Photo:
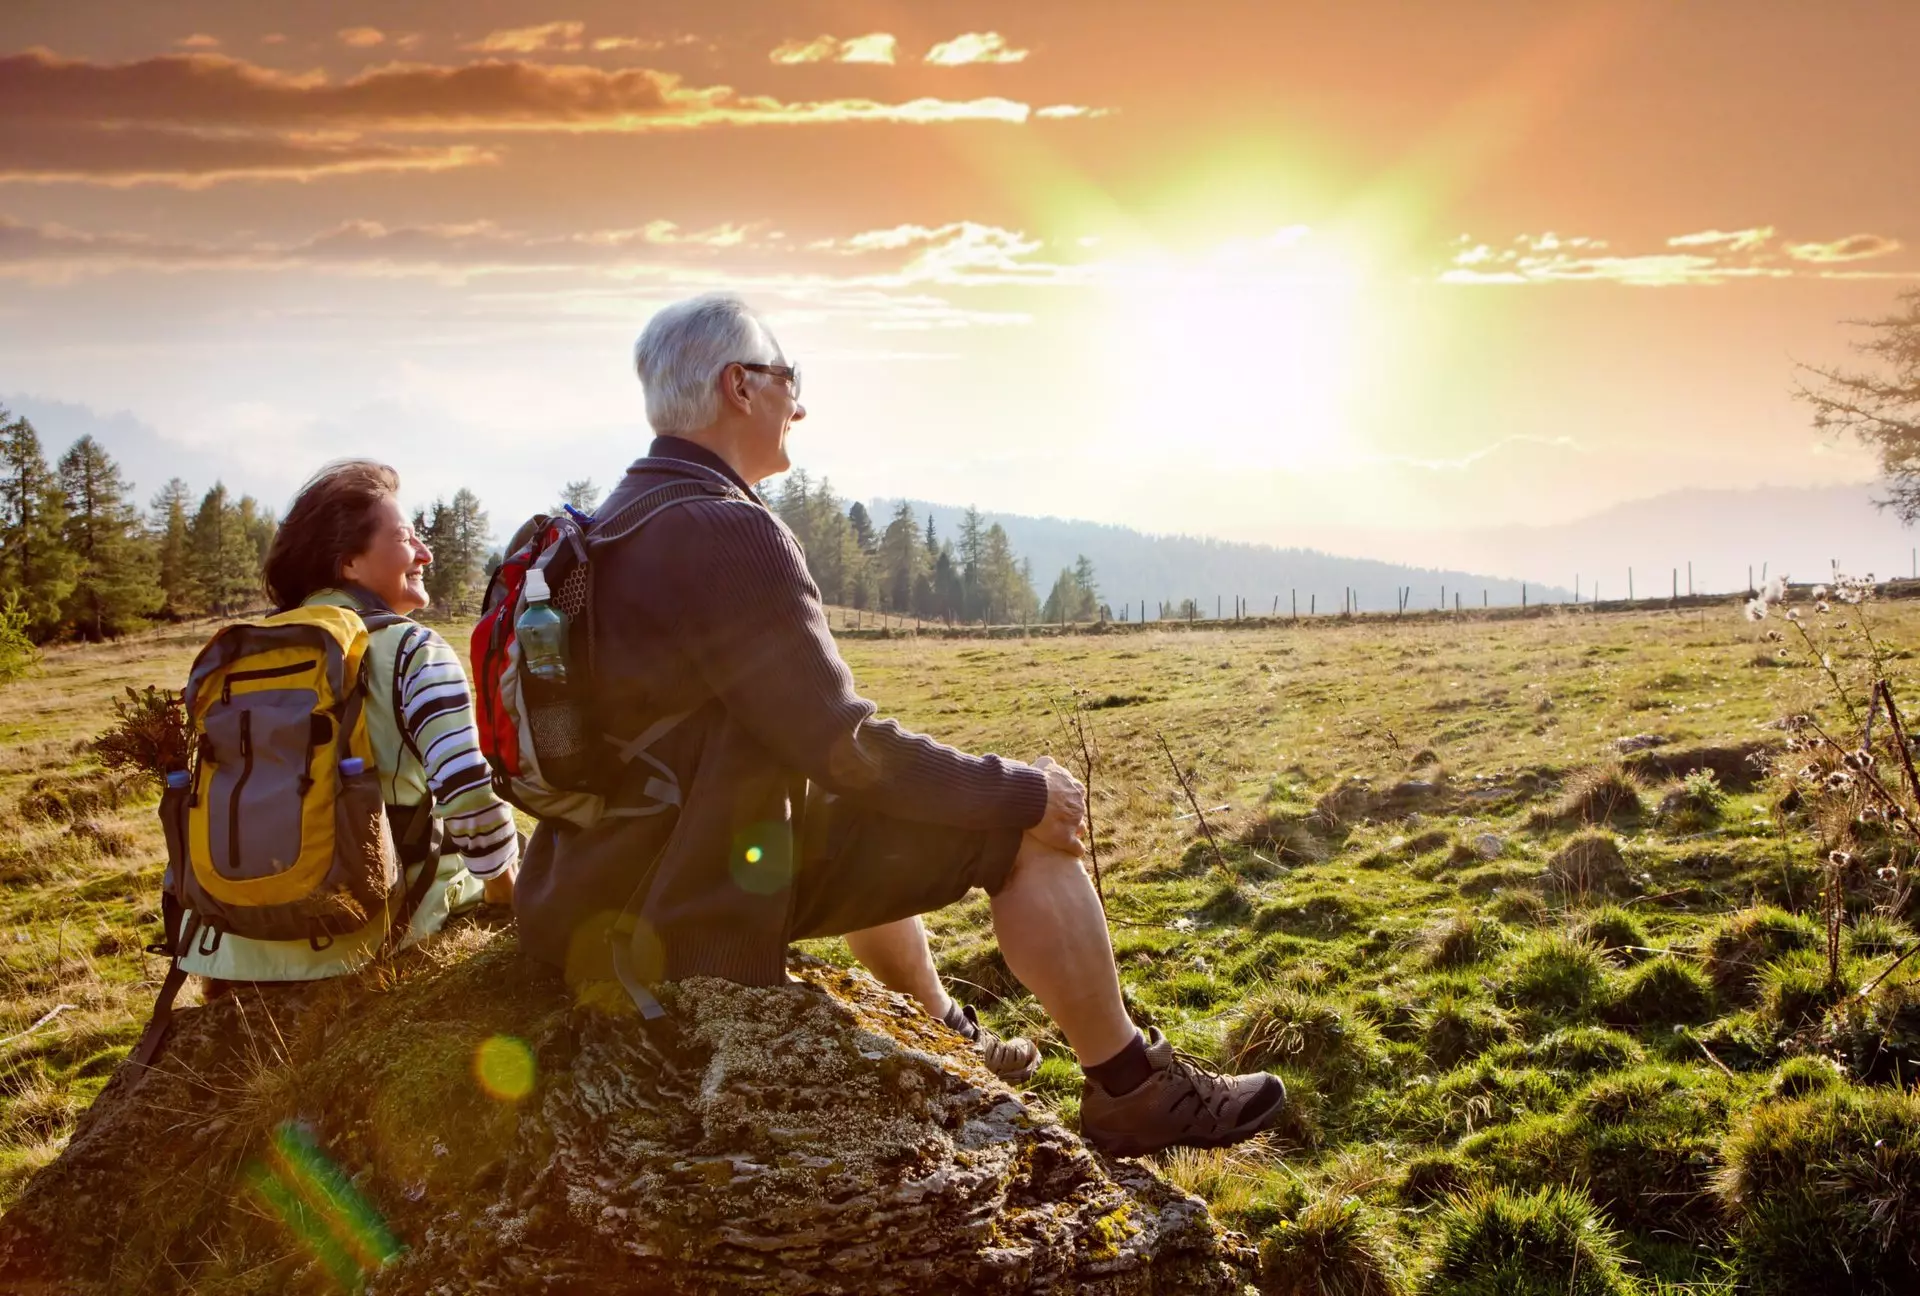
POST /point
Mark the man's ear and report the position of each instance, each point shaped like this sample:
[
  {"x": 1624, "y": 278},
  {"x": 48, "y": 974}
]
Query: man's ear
[{"x": 734, "y": 389}]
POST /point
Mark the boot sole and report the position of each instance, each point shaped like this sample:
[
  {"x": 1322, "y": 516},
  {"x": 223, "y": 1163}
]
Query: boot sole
[{"x": 1141, "y": 1147}]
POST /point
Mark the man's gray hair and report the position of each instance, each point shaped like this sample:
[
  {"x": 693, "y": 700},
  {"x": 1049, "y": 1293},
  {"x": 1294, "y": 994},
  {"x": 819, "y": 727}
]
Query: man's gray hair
[{"x": 683, "y": 349}]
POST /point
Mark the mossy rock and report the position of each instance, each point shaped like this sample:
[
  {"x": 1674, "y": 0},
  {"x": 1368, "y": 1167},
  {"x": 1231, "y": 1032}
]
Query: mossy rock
[{"x": 457, "y": 1122}]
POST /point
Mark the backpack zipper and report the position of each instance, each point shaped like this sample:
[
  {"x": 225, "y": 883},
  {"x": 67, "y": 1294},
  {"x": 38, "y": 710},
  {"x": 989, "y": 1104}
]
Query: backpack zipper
[{"x": 239, "y": 785}]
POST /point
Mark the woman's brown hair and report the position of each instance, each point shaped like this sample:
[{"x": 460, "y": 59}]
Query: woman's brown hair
[{"x": 330, "y": 523}]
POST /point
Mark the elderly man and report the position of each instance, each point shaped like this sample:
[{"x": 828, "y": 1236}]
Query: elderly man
[{"x": 800, "y": 814}]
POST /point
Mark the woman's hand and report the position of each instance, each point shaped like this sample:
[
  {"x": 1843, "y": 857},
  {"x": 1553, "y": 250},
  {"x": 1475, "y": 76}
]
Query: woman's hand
[{"x": 1066, "y": 808}]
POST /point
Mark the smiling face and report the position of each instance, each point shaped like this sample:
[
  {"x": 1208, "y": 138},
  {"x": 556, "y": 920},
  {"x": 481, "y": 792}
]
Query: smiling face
[{"x": 393, "y": 566}]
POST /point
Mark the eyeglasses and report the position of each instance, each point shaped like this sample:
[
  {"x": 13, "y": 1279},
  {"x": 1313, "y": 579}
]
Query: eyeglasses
[{"x": 789, "y": 372}]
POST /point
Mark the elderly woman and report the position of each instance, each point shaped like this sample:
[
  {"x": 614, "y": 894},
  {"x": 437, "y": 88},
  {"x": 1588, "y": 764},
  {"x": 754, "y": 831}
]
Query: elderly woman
[{"x": 346, "y": 542}]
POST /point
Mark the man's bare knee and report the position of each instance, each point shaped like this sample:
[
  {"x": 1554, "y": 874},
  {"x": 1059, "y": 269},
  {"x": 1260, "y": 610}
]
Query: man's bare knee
[{"x": 1038, "y": 858}]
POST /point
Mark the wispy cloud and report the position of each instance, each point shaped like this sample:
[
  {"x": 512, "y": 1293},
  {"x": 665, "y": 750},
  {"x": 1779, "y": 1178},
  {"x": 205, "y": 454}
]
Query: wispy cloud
[
  {"x": 360, "y": 37},
  {"x": 1855, "y": 247},
  {"x": 1746, "y": 240},
  {"x": 1705, "y": 257},
  {"x": 198, "y": 41},
  {"x": 538, "y": 39},
  {"x": 975, "y": 47},
  {"x": 137, "y": 155},
  {"x": 875, "y": 47},
  {"x": 201, "y": 110}
]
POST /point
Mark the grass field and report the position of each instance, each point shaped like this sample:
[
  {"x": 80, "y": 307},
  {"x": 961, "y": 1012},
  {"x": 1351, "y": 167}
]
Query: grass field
[{"x": 1540, "y": 1002}]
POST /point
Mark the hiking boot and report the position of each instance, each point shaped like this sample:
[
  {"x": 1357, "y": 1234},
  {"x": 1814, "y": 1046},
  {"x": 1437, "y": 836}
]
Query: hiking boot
[
  {"x": 1183, "y": 1103},
  {"x": 1013, "y": 1060}
]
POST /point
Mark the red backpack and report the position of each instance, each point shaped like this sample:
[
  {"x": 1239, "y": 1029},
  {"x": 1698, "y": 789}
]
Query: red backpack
[{"x": 562, "y": 545}]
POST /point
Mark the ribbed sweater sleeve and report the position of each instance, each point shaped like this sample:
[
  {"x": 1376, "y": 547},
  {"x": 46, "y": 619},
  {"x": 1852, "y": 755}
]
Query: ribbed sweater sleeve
[
  {"x": 752, "y": 616},
  {"x": 437, "y": 712}
]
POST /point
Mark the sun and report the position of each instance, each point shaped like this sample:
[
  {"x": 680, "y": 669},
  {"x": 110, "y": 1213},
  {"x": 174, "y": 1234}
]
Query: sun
[{"x": 1250, "y": 355}]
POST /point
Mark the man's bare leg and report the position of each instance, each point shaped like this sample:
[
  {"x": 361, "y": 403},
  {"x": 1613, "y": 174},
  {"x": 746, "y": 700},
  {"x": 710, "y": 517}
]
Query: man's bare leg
[
  {"x": 1054, "y": 938},
  {"x": 898, "y": 954}
]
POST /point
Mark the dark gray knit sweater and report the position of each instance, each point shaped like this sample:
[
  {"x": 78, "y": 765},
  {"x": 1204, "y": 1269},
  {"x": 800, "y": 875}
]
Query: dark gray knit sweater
[{"x": 710, "y": 607}]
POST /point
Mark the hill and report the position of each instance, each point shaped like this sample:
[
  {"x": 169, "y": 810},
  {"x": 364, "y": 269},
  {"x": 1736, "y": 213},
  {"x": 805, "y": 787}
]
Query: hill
[{"x": 1132, "y": 566}]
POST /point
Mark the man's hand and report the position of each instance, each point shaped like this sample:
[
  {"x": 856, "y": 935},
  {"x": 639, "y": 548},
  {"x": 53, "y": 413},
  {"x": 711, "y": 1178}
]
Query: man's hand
[{"x": 1066, "y": 808}]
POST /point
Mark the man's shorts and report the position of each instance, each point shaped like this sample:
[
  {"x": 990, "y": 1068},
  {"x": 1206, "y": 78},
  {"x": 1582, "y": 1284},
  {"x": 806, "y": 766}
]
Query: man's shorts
[{"x": 860, "y": 869}]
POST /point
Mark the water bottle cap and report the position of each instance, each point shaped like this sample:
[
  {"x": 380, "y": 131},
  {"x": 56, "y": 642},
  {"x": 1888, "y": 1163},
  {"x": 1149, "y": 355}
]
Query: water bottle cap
[
  {"x": 536, "y": 589},
  {"x": 353, "y": 765},
  {"x": 178, "y": 778}
]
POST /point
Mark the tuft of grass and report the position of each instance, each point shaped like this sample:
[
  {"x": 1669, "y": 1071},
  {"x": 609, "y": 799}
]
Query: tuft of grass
[
  {"x": 1335, "y": 1044},
  {"x": 1824, "y": 1193},
  {"x": 1877, "y": 1037},
  {"x": 1614, "y": 930},
  {"x": 1794, "y": 990},
  {"x": 1665, "y": 991},
  {"x": 1547, "y": 1243},
  {"x": 1747, "y": 940},
  {"x": 1600, "y": 794},
  {"x": 1588, "y": 863},
  {"x": 1520, "y": 909},
  {"x": 1801, "y": 1076},
  {"x": 1585, "y": 1050},
  {"x": 1462, "y": 939},
  {"x": 1458, "y": 1027},
  {"x": 1874, "y": 935},
  {"x": 1337, "y": 1246},
  {"x": 1695, "y": 804},
  {"x": 1556, "y": 975},
  {"x": 1434, "y": 1176}
]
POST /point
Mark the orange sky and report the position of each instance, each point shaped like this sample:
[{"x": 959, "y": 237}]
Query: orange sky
[{"x": 1279, "y": 271}]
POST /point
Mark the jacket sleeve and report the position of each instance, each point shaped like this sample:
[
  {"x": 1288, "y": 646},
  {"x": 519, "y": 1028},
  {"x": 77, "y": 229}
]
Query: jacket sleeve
[
  {"x": 437, "y": 713},
  {"x": 754, "y": 625}
]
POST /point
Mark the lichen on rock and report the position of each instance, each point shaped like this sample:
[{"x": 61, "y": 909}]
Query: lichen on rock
[{"x": 824, "y": 1136}]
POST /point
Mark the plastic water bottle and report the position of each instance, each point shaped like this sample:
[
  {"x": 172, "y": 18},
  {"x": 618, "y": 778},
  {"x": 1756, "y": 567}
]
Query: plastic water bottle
[
  {"x": 353, "y": 766},
  {"x": 559, "y": 734},
  {"x": 178, "y": 778}
]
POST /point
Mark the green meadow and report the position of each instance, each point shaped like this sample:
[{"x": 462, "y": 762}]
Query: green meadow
[{"x": 1515, "y": 906}]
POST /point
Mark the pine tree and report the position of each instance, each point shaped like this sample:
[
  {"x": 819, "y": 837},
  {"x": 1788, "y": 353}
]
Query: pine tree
[
  {"x": 226, "y": 563},
  {"x": 862, "y": 523},
  {"x": 258, "y": 526},
  {"x": 972, "y": 554},
  {"x": 900, "y": 560},
  {"x": 457, "y": 533},
  {"x": 35, "y": 562},
  {"x": 116, "y": 583},
  {"x": 173, "y": 553},
  {"x": 582, "y": 494}
]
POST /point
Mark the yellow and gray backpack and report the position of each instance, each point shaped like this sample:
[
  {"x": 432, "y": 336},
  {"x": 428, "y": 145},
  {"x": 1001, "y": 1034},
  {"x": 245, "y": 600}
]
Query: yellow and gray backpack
[{"x": 277, "y": 828}]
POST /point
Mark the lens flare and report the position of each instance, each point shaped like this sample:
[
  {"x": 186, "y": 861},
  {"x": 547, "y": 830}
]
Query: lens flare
[
  {"x": 504, "y": 1067},
  {"x": 753, "y": 854},
  {"x": 320, "y": 1206}
]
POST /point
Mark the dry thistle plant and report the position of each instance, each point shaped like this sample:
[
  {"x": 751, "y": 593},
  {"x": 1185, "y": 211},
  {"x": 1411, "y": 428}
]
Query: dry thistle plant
[{"x": 1852, "y": 779}]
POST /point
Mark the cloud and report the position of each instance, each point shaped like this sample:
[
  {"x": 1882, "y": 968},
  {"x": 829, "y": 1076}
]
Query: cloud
[
  {"x": 958, "y": 253},
  {"x": 875, "y": 47},
  {"x": 1855, "y": 247},
  {"x": 136, "y": 155},
  {"x": 1746, "y": 240},
  {"x": 975, "y": 47},
  {"x": 532, "y": 40},
  {"x": 1059, "y": 112},
  {"x": 361, "y": 37},
  {"x": 214, "y": 92},
  {"x": 198, "y": 41},
  {"x": 1706, "y": 257}
]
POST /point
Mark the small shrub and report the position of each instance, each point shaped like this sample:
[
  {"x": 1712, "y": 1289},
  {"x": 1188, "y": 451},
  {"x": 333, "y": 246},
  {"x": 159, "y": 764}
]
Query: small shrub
[
  {"x": 1456, "y": 1028},
  {"x": 1666, "y": 991},
  {"x": 1555, "y": 974},
  {"x": 1801, "y": 1076},
  {"x": 1597, "y": 795},
  {"x": 1279, "y": 1026},
  {"x": 1335, "y": 1247},
  {"x": 1462, "y": 939},
  {"x": 1824, "y": 1193},
  {"x": 1585, "y": 1050},
  {"x": 1695, "y": 804},
  {"x": 17, "y": 653},
  {"x": 1746, "y": 941},
  {"x": 1547, "y": 1243},
  {"x": 149, "y": 733},
  {"x": 1588, "y": 863}
]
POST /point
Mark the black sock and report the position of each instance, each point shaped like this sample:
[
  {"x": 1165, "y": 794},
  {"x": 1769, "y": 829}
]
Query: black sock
[{"x": 1125, "y": 1071}]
